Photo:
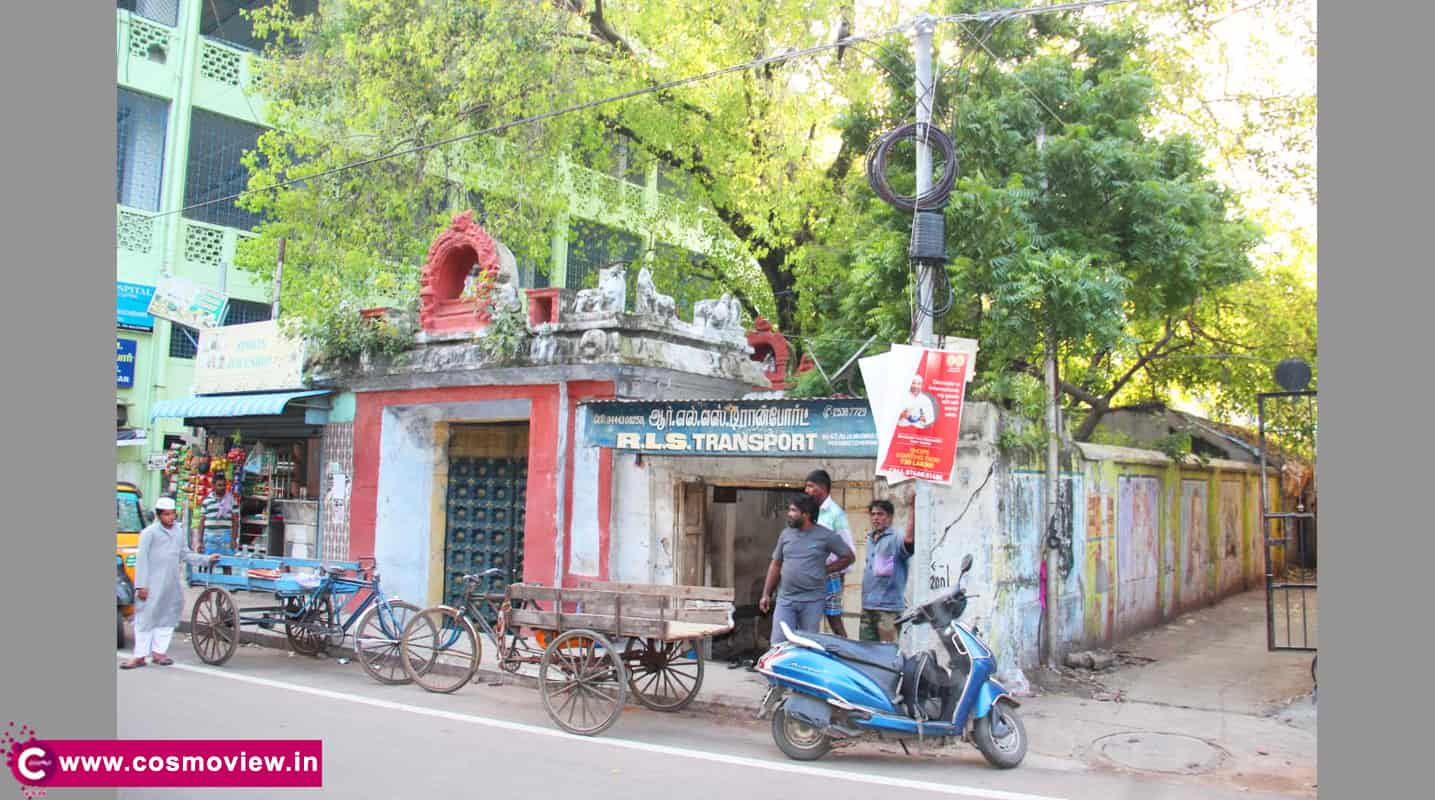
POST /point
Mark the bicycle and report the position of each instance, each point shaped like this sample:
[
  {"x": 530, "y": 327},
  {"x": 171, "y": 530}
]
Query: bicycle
[
  {"x": 307, "y": 609},
  {"x": 440, "y": 647}
]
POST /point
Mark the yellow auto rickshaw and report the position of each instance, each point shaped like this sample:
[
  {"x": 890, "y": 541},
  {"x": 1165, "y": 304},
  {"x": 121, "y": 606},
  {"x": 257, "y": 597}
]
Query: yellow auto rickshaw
[{"x": 130, "y": 518}]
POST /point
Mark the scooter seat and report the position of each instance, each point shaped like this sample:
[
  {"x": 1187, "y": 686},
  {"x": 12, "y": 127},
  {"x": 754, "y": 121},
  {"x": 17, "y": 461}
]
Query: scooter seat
[{"x": 878, "y": 654}]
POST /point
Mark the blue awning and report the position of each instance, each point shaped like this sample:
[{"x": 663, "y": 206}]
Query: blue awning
[{"x": 232, "y": 405}]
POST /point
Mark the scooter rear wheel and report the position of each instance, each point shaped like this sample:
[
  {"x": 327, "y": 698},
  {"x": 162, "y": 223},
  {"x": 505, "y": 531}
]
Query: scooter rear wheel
[
  {"x": 798, "y": 740},
  {"x": 1001, "y": 736}
]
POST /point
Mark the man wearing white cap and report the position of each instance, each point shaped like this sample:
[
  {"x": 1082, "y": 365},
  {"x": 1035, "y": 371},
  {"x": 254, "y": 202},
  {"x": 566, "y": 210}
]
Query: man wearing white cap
[{"x": 163, "y": 545}]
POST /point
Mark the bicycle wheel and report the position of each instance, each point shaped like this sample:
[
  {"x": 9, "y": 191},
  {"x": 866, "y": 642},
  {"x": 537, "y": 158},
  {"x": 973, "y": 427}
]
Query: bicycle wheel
[
  {"x": 214, "y": 626},
  {"x": 582, "y": 680},
  {"x": 309, "y": 633},
  {"x": 664, "y": 676},
  {"x": 440, "y": 649},
  {"x": 377, "y": 638}
]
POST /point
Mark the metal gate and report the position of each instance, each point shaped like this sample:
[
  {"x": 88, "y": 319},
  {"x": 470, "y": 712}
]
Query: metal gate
[
  {"x": 486, "y": 498},
  {"x": 1289, "y": 526}
]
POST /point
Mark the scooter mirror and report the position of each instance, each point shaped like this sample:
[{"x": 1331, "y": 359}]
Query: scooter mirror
[{"x": 966, "y": 563}]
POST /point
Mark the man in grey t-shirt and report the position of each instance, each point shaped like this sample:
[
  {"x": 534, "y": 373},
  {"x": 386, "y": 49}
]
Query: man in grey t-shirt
[{"x": 800, "y": 560}]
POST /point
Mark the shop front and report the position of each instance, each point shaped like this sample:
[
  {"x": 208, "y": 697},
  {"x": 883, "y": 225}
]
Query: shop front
[
  {"x": 701, "y": 488},
  {"x": 255, "y": 424}
]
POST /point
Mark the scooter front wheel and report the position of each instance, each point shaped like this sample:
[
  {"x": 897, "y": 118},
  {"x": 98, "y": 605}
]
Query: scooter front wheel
[
  {"x": 798, "y": 740},
  {"x": 1001, "y": 736}
]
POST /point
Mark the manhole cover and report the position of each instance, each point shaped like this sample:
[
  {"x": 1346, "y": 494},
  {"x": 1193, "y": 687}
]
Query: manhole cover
[{"x": 1160, "y": 752}]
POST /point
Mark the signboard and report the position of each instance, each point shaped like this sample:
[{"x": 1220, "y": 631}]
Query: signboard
[
  {"x": 188, "y": 303},
  {"x": 125, "y": 350},
  {"x": 917, "y": 396},
  {"x": 132, "y": 306},
  {"x": 752, "y": 428},
  {"x": 248, "y": 358},
  {"x": 156, "y": 462}
]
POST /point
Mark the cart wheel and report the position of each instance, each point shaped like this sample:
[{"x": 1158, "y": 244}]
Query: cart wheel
[
  {"x": 440, "y": 650},
  {"x": 308, "y": 635},
  {"x": 214, "y": 626},
  {"x": 377, "y": 638},
  {"x": 582, "y": 680},
  {"x": 664, "y": 676}
]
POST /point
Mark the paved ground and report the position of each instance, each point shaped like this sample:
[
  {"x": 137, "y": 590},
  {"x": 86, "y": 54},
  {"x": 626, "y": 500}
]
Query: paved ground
[
  {"x": 1211, "y": 712},
  {"x": 399, "y": 741}
]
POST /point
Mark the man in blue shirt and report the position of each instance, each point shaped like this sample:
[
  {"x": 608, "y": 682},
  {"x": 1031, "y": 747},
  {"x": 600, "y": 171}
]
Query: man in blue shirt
[
  {"x": 884, "y": 579},
  {"x": 830, "y": 515}
]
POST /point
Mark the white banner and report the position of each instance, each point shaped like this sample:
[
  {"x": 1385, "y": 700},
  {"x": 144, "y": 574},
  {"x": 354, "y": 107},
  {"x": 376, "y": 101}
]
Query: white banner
[
  {"x": 889, "y": 381},
  {"x": 248, "y": 358}
]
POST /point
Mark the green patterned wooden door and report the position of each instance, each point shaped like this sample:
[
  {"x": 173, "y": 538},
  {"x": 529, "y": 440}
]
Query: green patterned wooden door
[{"x": 485, "y": 504}]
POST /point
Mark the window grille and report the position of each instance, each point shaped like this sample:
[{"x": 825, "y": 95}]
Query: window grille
[
  {"x": 223, "y": 20},
  {"x": 139, "y": 149},
  {"x": 592, "y": 246},
  {"x": 183, "y": 341},
  {"x": 243, "y": 312},
  {"x": 165, "y": 12},
  {"x": 216, "y": 169}
]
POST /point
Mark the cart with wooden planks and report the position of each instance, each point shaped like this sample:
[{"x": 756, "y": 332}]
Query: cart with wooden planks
[{"x": 597, "y": 642}]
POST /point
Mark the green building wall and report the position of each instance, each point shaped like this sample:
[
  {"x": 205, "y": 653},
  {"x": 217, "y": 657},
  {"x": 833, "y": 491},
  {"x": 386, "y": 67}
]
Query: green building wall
[{"x": 192, "y": 73}]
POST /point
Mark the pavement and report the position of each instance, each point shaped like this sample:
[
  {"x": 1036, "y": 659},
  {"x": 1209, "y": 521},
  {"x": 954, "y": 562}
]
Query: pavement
[{"x": 1198, "y": 702}]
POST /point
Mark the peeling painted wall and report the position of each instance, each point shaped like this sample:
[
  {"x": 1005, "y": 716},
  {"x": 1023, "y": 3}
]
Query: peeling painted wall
[
  {"x": 1195, "y": 561},
  {"x": 1150, "y": 538},
  {"x": 1229, "y": 578},
  {"x": 414, "y": 462},
  {"x": 584, "y": 547},
  {"x": 1138, "y": 540}
]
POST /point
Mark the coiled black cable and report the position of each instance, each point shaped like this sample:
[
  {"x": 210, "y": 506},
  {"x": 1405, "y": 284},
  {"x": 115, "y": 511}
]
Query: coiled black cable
[{"x": 936, "y": 197}]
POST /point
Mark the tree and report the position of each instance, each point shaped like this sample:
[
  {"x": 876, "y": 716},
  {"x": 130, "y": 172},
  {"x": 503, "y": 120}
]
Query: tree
[
  {"x": 1108, "y": 235},
  {"x": 754, "y": 155}
]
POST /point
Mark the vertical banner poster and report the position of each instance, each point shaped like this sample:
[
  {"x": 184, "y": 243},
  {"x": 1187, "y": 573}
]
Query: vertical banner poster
[{"x": 916, "y": 396}]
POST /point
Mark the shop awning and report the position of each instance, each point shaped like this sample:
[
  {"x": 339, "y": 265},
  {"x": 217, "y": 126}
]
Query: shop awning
[{"x": 232, "y": 405}]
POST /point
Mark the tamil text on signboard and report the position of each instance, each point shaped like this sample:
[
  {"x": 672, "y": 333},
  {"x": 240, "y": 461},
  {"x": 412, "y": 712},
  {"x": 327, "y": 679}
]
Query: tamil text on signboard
[
  {"x": 248, "y": 358},
  {"x": 761, "y": 428},
  {"x": 125, "y": 350}
]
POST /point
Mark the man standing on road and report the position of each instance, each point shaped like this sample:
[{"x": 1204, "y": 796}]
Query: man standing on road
[
  {"x": 831, "y": 516},
  {"x": 884, "y": 578},
  {"x": 163, "y": 545},
  {"x": 801, "y": 561}
]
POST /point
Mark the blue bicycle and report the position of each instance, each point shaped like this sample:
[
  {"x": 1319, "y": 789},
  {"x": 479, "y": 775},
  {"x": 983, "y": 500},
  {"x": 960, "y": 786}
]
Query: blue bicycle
[{"x": 310, "y": 609}]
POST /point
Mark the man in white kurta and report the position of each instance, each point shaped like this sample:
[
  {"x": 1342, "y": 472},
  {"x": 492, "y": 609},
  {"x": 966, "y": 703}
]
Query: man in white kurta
[{"x": 163, "y": 545}]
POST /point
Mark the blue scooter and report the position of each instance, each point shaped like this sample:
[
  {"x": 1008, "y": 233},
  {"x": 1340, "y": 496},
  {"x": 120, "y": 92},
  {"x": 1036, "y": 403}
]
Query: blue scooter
[{"x": 827, "y": 688}]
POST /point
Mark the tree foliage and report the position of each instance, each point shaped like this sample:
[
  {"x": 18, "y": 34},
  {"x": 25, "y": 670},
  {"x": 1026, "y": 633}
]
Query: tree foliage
[
  {"x": 1071, "y": 216},
  {"x": 749, "y": 159},
  {"x": 1115, "y": 232}
]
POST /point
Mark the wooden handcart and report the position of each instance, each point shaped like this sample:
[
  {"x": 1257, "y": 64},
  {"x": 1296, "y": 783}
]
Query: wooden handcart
[{"x": 594, "y": 644}]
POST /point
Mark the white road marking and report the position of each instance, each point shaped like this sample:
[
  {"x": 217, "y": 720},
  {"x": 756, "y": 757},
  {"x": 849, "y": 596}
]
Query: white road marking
[{"x": 626, "y": 744}]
